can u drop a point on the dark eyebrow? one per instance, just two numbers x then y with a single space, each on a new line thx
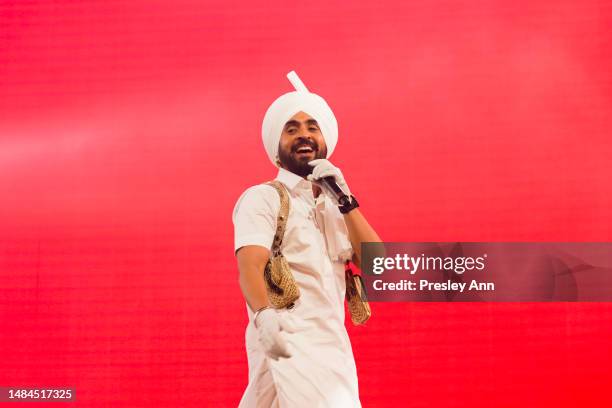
297 124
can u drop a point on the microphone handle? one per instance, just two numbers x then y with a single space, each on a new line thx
330 183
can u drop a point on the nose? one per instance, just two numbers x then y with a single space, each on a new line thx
304 137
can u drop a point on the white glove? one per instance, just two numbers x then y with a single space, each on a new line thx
269 324
324 168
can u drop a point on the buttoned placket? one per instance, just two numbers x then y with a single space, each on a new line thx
305 190
314 207
319 208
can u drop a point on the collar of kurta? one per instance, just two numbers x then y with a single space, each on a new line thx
292 180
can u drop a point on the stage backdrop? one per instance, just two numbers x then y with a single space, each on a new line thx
128 130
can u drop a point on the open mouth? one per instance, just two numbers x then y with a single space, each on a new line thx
304 150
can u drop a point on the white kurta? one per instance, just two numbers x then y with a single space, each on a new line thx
321 371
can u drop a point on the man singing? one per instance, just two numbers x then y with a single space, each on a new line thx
301 356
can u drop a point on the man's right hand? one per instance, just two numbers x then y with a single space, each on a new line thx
269 325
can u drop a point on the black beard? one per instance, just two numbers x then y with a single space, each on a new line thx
291 162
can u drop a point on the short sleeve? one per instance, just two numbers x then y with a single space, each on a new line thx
255 216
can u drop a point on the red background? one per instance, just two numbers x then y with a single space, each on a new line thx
129 129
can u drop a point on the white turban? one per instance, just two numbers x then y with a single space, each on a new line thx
287 105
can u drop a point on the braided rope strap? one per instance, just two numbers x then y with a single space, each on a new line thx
280 283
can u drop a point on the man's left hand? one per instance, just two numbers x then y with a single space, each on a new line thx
324 168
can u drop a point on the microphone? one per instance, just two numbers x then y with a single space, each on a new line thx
329 183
